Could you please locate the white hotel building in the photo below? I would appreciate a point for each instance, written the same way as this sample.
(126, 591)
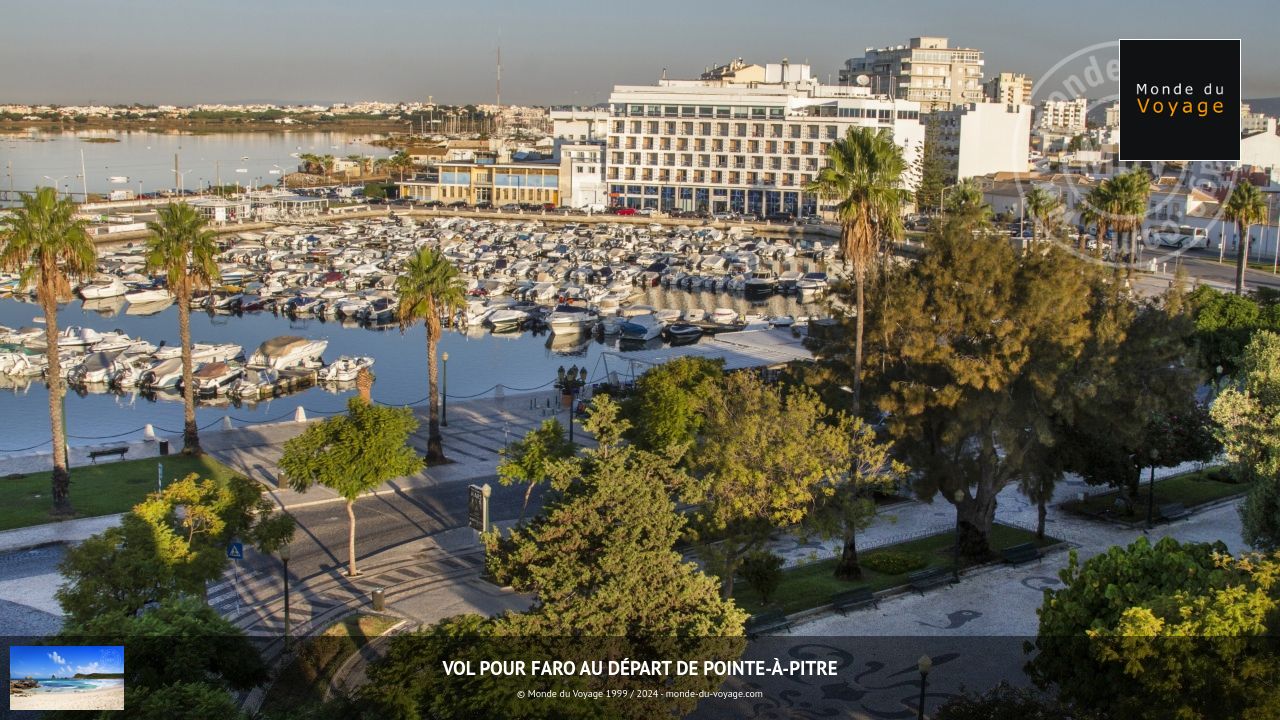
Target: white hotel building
(742, 138)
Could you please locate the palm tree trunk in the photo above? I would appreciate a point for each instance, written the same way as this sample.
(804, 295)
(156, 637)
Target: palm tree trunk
(351, 538)
(435, 444)
(848, 567)
(190, 434)
(859, 322)
(1242, 257)
(57, 389)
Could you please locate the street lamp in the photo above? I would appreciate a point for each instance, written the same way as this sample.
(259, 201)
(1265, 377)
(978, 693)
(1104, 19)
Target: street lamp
(55, 181)
(284, 560)
(924, 665)
(444, 393)
(569, 384)
(958, 496)
(1151, 486)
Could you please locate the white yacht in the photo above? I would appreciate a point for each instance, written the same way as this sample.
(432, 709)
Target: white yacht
(570, 319)
(103, 287)
(148, 295)
(202, 352)
(642, 328)
(213, 378)
(163, 374)
(345, 368)
(287, 351)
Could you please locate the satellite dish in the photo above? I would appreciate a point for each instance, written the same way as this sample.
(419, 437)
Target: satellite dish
(863, 80)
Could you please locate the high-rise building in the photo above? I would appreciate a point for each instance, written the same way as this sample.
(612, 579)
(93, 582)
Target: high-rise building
(1063, 116)
(926, 71)
(1009, 88)
(1112, 119)
(983, 138)
(741, 138)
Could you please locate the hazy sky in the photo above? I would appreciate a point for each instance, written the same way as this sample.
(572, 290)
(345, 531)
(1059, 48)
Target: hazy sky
(553, 51)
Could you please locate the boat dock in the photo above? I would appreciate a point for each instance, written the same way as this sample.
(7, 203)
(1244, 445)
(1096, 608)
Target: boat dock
(290, 380)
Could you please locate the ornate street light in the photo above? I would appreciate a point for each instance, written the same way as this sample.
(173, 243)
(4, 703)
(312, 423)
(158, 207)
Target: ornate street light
(924, 665)
(444, 392)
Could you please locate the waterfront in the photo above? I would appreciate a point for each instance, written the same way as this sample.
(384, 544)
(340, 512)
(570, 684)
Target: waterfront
(146, 158)
(478, 361)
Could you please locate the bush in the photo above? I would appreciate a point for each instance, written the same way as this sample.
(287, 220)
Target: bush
(762, 572)
(894, 562)
(1004, 702)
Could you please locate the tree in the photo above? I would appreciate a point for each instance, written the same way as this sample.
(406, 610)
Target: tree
(48, 247)
(965, 205)
(183, 249)
(1005, 702)
(1131, 192)
(430, 290)
(1245, 207)
(1249, 416)
(529, 460)
(762, 571)
(863, 176)
(933, 171)
(665, 413)
(764, 459)
(1224, 324)
(1097, 212)
(1043, 207)
(170, 545)
(352, 454)
(1163, 631)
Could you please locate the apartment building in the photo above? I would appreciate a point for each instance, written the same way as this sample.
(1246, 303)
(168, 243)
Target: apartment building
(983, 138)
(1063, 116)
(741, 138)
(582, 183)
(486, 181)
(926, 71)
(1009, 88)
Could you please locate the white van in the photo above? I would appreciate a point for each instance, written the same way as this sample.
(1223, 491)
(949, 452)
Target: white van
(1182, 236)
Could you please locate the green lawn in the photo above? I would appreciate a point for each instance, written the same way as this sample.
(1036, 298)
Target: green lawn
(812, 585)
(1190, 489)
(102, 489)
(305, 679)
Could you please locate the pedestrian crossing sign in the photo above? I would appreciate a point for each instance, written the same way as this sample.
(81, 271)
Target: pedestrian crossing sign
(235, 551)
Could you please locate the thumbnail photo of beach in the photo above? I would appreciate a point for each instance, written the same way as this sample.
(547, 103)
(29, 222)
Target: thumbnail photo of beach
(66, 677)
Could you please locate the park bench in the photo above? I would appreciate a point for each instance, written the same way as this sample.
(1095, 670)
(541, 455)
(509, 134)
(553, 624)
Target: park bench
(1174, 511)
(858, 597)
(1018, 554)
(107, 452)
(767, 621)
(922, 580)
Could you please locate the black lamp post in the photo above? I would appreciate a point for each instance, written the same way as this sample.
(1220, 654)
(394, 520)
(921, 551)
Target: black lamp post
(570, 382)
(1151, 487)
(284, 560)
(444, 391)
(924, 665)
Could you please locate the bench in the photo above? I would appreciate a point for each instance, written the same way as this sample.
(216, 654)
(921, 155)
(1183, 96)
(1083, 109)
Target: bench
(1018, 554)
(922, 580)
(108, 452)
(767, 621)
(1174, 511)
(858, 597)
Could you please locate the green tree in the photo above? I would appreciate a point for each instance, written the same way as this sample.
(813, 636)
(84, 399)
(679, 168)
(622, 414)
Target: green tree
(1097, 213)
(1005, 702)
(1245, 207)
(764, 459)
(1044, 208)
(933, 172)
(48, 247)
(529, 460)
(430, 290)
(183, 249)
(352, 454)
(965, 205)
(1163, 631)
(1224, 324)
(665, 413)
(863, 176)
(1249, 417)
(762, 572)
(1131, 192)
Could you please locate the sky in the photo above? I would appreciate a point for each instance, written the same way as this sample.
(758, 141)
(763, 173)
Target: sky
(42, 661)
(553, 52)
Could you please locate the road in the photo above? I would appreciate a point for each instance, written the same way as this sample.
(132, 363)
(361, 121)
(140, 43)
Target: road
(1203, 264)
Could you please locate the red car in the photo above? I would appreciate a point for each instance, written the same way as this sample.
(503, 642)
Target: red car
(624, 211)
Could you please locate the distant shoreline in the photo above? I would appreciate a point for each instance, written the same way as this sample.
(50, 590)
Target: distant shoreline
(105, 698)
(201, 127)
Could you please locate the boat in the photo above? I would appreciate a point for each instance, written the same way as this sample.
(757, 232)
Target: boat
(163, 374)
(254, 383)
(570, 319)
(782, 321)
(507, 319)
(724, 316)
(611, 325)
(95, 368)
(668, 315)
(345, 368)
(288, 351)
(202, 352)
(148, 295)
(213, 378)
(127, 372)
(17, 364)
(642, 328)
(694, 315)
(103, 287)
(151, 308)
(812, 285)
(681, 333)
(760, 284)
(78, 337)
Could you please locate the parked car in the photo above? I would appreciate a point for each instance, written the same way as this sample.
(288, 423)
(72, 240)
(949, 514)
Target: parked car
(484, 206)
(624, 211)
(780, 217)
(457, 204)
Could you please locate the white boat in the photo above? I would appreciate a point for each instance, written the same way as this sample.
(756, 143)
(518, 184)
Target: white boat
(668, 315)
(724, 316)
(812, 285)
(118, 179)
(163, 374)
(611, 325)
(694, 315)
(345, 369)
(642, 328)
(287, 351)
(254, 383)
(150, 295)
(127, 372)
(782, 321)
(213, 378)
(16, 364)
(103, 287)
(96, 368)
(506, 319)
(570, 319)
(151, 308)
(682, 333)
(202, 352)
(78, 337)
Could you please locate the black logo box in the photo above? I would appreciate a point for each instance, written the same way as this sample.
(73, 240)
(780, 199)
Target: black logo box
(1188, 65)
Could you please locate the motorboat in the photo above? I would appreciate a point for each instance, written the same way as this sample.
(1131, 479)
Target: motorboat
(288, 351)
(682, 333)
(507, 319)
(380, 310)
(724, 316)
(18, 364)
(302, 305)
(202, 352)
(164, 374)
(254, 383)
(787, 281)
(345, 368)
(570, 319)
(148, 295)
(79, 337)
(213, 378)
(760, 284)
(103, 287)
(668, 315)
(812, 285)
(694, 315)
(642, 328)
(782, 321)
(95, 368)
(151, 308)
(611, 325)
(127, 372)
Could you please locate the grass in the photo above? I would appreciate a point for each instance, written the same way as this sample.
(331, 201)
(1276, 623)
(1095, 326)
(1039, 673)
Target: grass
(812, 585)
(103, 489)
(1191, 489)
(304, 680)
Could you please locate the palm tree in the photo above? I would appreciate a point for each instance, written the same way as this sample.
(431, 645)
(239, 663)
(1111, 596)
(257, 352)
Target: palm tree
(1132, 192)
(44, 242)
(183, 249)
(1042, 206)
(965, 204)
(430, 290)
(1246, 208)
(863, 176)
(1097, 212)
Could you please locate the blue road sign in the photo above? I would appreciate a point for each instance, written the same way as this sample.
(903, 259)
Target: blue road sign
(235, 551)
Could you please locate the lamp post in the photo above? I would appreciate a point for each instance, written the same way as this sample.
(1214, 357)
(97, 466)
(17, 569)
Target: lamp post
(55, 181)
(1151, 487)
(958, 496)
(570, 382)
(444, 391)
(284, 561)
(924, 665)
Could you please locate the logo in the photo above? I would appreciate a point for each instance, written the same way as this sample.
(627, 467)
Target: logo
(1180, 100)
